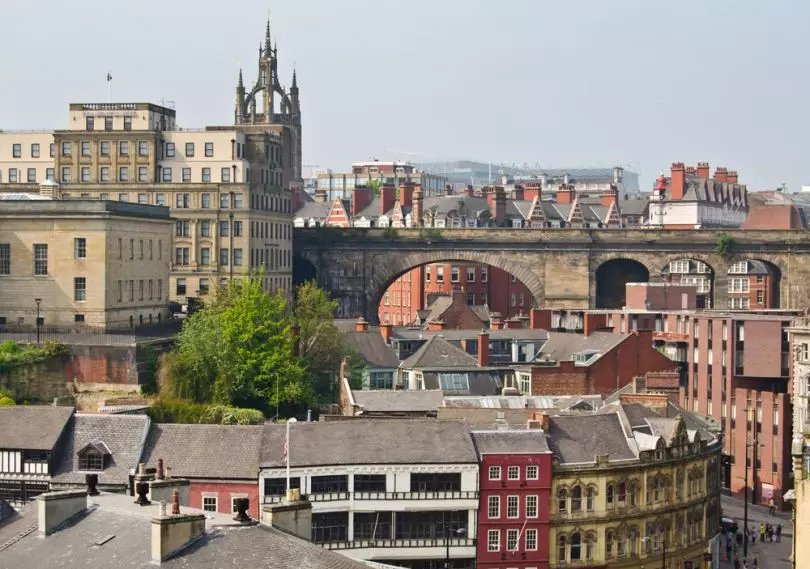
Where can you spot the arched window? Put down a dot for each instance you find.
(657, 488)
(621, 543)
(576, 498)
(590, 546)
(634, 493)
(561, 500)
(609, 496)
(622, 493)
(576, 546)
(561, 547)
(633, 541)
(610, 537)
(589, 498)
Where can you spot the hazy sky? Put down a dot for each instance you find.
(562, 83)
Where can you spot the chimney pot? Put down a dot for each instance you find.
(242, 507)
(168, 473)
(175, 503)
(159, 474)
(163, 509)
(141, 469)
(92, 481)
(142, 489)
(361, 325)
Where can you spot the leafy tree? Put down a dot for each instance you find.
(5, 399)
(320, 343)
(357, 367)
(374, 186)
(238, 350)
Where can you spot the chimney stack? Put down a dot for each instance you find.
(532, 190)
(732, 177)
(172, 533)
(55, 509)
(496, 320)
(406, 194)
(361, 197)
(469, 191)
(703, 170)
(448, 190)
(518, 193)
(721, 174)
(320, 195)
(677, 183)
(92, 482)
(483, 348)
(416, 212)
(565, 194)
(540, 319)
(159, 475)
(386, 330)
(293, 516)
(436, 325)
(361, 325)
(609, 197)
(592, 323)
(499, 213)
(387, 198)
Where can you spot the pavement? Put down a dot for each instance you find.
(769, 555)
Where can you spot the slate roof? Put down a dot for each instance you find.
(439, 353)
(222, 545)
(633, 207)
(479, 381)
(206, 451)
(527, 334)
(373, 349)
(368, 441)
(387, 400)
(580, 438)
(510, 442)
(123, 435)
(562, 346)
(25, 427)
(317, 210)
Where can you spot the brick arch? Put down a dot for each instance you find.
(600, 260)
(390, 267)
(716, 264)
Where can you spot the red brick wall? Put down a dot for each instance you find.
(763, 348)
(521, 488)
(223, 490)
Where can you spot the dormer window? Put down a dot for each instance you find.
(582, 358)
(94, 456)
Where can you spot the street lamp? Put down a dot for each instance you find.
(38, 301)
(647, 539)
(450, 532)
(752, 445)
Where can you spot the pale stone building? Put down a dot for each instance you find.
(82, 263)
(228, 187)
(800, 495)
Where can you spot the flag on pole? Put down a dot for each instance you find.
(109, 76)
(287, 445)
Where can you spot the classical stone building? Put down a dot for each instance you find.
(82, 262)
(632, 480)
(228, 187)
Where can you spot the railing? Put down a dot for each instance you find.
(336, 496)
(406, 542)
(91, 335)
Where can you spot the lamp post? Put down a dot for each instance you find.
(450, 532)
(38, 301)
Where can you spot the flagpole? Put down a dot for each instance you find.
(109, 87)
(287, 454)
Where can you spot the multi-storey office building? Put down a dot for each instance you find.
(227, 187)
(80, 263)
(388, 491)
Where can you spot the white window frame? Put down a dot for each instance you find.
(214, 497)
(512, 506)
(513, 473)
(532, 472)
(512, 539)
(494, 472)
(494, 505)
(532, 502)
(527, 543)
(494, 540)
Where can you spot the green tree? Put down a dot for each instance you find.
(320, 342)
(374, 186)
(6, 400)
(238, 350)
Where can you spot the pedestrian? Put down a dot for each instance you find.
(778, 533)
(737, 562)
(761, 532)
(770, 533)
(756, 565)
(753, 536)
(770, 507)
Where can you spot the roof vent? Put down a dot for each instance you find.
(142, 488)
(92, 481)
(242, 506)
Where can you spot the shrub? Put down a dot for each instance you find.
(431, 233)
(13, 355)
(188, 412)
(724, 245)
(5, 399)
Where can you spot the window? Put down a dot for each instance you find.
(91, 459)
(209, 503)
(89, 123)
(123, 174)
(562, 549)
(739, 268)
(427, 274)
(494, 507)
(140, 289)
(223, 228)
(160, 289)
(237, 257)
(531, 540)
(454, 274)
(186, 174)
(738, 285)
(49, 173)
(238, 202)
(189, 150)
(52, 149)
(369, 483)
(167, 174)
(143, 148)
(511, 539)
(440, 274)
(143, 174)
(205, 228)
(470, 274)
(104, 175)
(12, 175)
(484, 274)
(225, 175)
(104, 148)
(494, 540)
(609, 497)
(85, 174)
(181, 256)
(205, 201)
(170, 150)
(123, 197)
(512, 506)
(5, 258)
(760, 297)
(513, 473)
(237, 228)
(80, 248)
(209, 149)
(16, 150)
(108, 123)
(32, 175)
(181, 228)
(576, 547)
(85, 147)
(40, 259)
(328, 484)
(123, 148)
(180, 288)
(531, 472)
(531, 506)
(67, 149)
(223, 257)
(590, 496)
(66, 174)
(206, 174)
(494, 472)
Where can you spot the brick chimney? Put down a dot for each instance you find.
(565, 194)
(469, 191)
(416, 212)
(721, 174)
(499, 203)
(691, 171)
(387, 198)
(540, 319)
(732, 177)
(677, 183)
(361, 325)
(436, 325)
(593, 322)
(517, 193)
(320, 195)
(514, 323)
(56, 508)
(406, 194)
(703, 170)
(496, 321)
(386, 330)
(609, 197)
(483, 349)
(532, 190)
(361, 197)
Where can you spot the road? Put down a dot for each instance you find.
(769, 555)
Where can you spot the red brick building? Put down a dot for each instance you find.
(515, 485)
(220, 461)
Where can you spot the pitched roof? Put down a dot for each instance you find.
(122, 435)
(368, 441)
(439, 353)
(562, 346)
(372, 348)
(581, 438)
(387, 400)
(32, 427)
(510, 442)
(206, 451)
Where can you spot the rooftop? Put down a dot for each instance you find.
(32, 427)
(527, 441)
(79, 207)
(387, 400)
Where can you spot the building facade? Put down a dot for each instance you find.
(83, 263)
(340, 186)
(514, 485)
(227, 187)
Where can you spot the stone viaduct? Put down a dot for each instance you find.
(563, 268)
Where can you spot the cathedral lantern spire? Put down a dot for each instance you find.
(267, 43)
